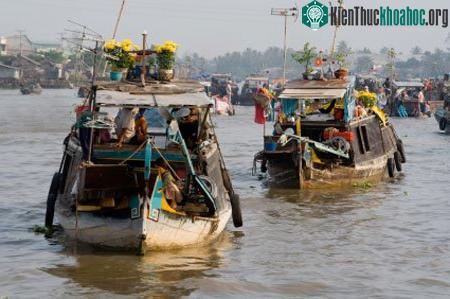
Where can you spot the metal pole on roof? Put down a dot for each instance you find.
(285, 12)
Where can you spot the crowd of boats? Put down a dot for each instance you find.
(154, 175)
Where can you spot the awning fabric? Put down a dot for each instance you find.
(125, 99)
(312, 94)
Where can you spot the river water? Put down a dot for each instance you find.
(388, 241)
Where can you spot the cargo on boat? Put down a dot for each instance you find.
(324, 138)
(167, 188)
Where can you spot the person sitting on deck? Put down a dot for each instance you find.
(125, 125)
(140, 127)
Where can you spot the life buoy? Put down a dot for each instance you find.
(51, 200)
(442, 124)
(398, 161)
(390, 167)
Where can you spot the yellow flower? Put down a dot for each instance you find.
(110, 44)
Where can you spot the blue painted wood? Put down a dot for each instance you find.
(134, 206)
(148, 160)
(156, 199)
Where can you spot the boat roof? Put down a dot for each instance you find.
(155, 94)
(408, 83)
(257, 78)
(315, 89)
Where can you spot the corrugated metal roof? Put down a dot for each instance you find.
(312, 94)
(125, 99)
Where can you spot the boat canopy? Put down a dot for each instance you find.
(312, 94)
(309, 90)
(154, 94)
(109, 98)
(408, 84)
(315, 89)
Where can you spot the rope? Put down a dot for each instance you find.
(134, 153)
(165, 160)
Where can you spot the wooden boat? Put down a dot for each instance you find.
(412, 105)
(218, 86)
(311, 148)
(30, 88)
(118, 197)
(251, 85)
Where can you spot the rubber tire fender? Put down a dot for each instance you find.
(398, 161)
(391, 167)
(442, 124)
(401, 150)
(51, 200)
(236, 209)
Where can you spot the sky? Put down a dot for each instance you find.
(211, 27)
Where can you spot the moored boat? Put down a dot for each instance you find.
(169, 190)
(322, 138)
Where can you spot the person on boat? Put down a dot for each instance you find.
(420, 103)
(400, 103)
(141, 127)
(189, 127)
(173, 194)
(125, 125)
(381, 98)
(229, 91)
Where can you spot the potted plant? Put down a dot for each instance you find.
(165, 56)
(120, 57)
(304, 57)
(341, 59)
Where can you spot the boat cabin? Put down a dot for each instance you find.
(320, 127)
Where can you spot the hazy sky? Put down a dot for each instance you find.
(209, 27)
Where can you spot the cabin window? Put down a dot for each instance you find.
(363, 140)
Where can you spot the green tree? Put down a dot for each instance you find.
(305, 56)
(363, 64)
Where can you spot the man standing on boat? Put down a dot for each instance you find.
(125, 125)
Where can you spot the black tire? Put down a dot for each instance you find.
(236, 210)
(51, 200)
(391, 167)
(443, 124)
(401, 150)
(398, 161)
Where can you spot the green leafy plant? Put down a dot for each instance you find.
(305, 56)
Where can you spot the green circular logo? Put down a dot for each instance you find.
(315, 15)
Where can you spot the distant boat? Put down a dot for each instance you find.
(30, 88)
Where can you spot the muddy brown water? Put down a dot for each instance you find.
(388, 241)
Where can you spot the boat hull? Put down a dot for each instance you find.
(167, 231)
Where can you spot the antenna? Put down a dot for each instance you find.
(285, 12)
(118, 19)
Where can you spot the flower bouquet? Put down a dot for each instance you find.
(119, 56)
(369, 99)
(165, 56)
